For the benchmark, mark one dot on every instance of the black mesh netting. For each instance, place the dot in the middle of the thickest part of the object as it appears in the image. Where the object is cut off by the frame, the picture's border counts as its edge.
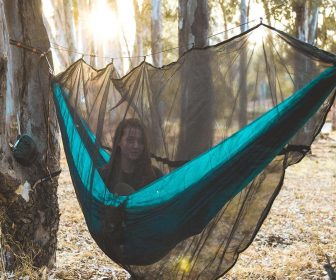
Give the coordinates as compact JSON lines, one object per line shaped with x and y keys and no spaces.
{"x":187,"y":107}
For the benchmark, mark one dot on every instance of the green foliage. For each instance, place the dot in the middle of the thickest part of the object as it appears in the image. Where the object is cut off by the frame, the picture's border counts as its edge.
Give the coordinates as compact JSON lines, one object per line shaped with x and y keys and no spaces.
{"x":284,"y":12}
{"x":280,"y":11}
{"x":229,"y":8}
{"x":327,"y":31}
{"x":169,"y":12}
{"x":169,"y":31}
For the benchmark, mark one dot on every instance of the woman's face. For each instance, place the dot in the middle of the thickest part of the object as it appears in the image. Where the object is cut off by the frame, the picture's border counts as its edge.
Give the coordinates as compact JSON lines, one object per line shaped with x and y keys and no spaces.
{"x":131,"y":143}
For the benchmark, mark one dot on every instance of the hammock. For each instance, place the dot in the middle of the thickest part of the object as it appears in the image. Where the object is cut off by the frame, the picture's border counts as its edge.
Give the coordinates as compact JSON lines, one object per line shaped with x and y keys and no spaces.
{"x":236,"y":114}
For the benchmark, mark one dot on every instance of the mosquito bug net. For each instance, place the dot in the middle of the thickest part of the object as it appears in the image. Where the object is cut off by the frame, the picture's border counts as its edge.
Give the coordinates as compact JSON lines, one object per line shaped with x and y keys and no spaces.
{"x":220,"y":125}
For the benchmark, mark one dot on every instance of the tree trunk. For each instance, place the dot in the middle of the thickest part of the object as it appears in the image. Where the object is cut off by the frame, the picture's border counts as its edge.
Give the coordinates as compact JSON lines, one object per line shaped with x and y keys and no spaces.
{"x":193,"y":24}
{"x":305,"y":30}
{"x":113,"y":47}
{"x":242,"y":72}
{"x":69,"y":25}
{"x":228,"y":8}
{"x":333,"y":116}
{"x":63,"y":16}
{"x":156,"y":33}
{"x":301,"y":32}
{"x":312,"y":22}
{"x":301,"y":20}
{"x":29,"y":221}
{"x":85,"y":40}
{"x":140,"y":30}
{"x":197,"y":116}
{"x":59,"y":36}
{"x":223,"y":8}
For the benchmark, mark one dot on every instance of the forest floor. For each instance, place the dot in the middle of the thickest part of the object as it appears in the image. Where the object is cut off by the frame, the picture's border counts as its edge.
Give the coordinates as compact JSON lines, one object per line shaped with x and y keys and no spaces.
{"x":295,"y":242}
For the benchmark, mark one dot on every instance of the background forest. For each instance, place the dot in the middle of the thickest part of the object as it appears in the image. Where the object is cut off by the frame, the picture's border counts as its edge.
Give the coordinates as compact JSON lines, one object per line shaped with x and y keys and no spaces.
{"x":126,"y":32}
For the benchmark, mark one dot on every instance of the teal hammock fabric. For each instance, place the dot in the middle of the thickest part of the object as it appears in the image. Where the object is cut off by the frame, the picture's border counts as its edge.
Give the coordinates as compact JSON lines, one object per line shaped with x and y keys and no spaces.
{"x":149,"y":232}
{"x":203,"y":178}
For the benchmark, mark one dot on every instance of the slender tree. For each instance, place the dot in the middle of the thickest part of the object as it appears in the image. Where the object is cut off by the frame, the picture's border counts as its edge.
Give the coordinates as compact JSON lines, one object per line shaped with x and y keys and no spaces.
{"x":327,"y":26}
{"x":193,"y":24}
{"x":228,"y":9}
{"x":333,"y":116}
{"x":141,"y":14}
{"x":197,"y":116}
{"x":156,"y":33}
{"x":61,"y":30}
{"x":306,"y":20}
{"x":57,"y":20}
{"x":70,"y":31}
{"x":301,"y":20}
{"x":113,"y":47}
{"x":243,"y":71}
{"x":312,"y":22}
{"x":29,"y":211}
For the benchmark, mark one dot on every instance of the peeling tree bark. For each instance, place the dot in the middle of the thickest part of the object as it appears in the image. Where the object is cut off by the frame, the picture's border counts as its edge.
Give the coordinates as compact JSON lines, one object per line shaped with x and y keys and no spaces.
{"x":28,"y":227}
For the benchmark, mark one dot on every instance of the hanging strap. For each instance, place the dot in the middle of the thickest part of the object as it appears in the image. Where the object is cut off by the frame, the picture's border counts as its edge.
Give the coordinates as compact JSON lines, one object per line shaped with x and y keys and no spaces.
{"x":47,"y":178}
{"x":303,"y":149}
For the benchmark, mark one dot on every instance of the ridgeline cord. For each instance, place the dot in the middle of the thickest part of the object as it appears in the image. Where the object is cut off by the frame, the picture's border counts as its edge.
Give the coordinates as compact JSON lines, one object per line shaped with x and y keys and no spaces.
{"x":62,"y":48}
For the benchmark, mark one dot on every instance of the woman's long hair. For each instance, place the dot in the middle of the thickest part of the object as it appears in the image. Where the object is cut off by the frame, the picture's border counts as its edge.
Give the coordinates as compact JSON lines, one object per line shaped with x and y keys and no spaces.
{"x":143,"y":163}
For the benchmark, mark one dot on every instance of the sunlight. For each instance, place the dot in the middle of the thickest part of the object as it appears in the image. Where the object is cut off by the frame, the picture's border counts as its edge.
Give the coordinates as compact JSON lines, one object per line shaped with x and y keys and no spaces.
{"x":127,"y":29}
{"x":126,"y":19}
{"x":102,"y":21}
{"x":47,"y":8}
{"x":257,"y":11}
{"x":185,"y":264}
{"x":257,"y":35}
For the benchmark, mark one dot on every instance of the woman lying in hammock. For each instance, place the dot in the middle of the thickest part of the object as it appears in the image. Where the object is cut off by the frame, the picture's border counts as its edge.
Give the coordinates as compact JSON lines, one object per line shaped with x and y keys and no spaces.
{"x":130,"y":167}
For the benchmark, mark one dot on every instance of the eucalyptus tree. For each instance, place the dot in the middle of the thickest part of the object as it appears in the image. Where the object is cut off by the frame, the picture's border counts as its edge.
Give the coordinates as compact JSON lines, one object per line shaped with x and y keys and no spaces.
{"x":228,"y":9}
{"x":156,"y":32}
{"x":310,"y":21}
{"x":242,"y":67}
{"x":29,"y":209}
{"x":306,"y":20}
{"x":326,"y":32}
{"x":299,"y":17}
{"x":56,"y":19}
{"x":197,"y":116}
{"x":142,"y":23}
{"x":69,"y":28}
